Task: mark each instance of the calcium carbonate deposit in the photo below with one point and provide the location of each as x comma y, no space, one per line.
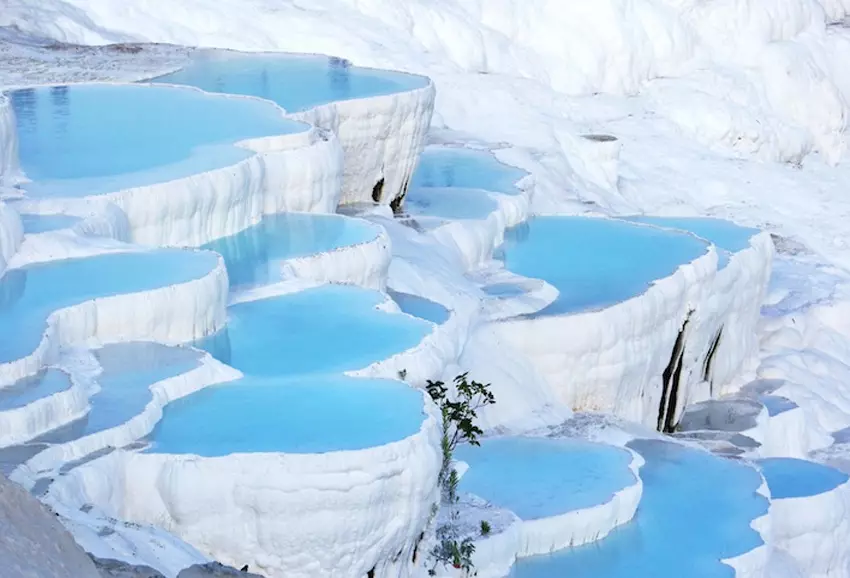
250,249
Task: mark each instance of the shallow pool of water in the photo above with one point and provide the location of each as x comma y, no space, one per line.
254,255
450,203
696,510
332,328
129,370
92,139
595,263
29,295
792,478
465,168
30,389
541,477
294,81
725,235
420,307
297,415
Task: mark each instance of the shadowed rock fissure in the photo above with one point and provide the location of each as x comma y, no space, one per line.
416,546
709,358
378,190
396,203
670,383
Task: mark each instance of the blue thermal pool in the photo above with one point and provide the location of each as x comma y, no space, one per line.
696,510
542,477
129,369
464,168
420,307
332,328
595,263
27,390
29,295
254,255
93,139
791,478
725,235
450,203
295,82
43,223
312,414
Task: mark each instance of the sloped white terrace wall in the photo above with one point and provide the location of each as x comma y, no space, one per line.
381,137
612,360
346,513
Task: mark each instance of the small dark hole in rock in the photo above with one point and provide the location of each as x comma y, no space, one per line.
377,190
599,137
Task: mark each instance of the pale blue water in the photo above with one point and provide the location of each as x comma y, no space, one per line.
30,389
541,477
254,255
595,263
727,236
295,82
332,328
92,139
696,510
776,404
43,223
420,307
313,414
29,295
791,478
465,168
129,369
449,203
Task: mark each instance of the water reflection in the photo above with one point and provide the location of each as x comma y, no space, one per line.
338,74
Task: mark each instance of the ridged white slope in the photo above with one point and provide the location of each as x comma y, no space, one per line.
477,239
815,530
11,234
381,136
364,264
10,170
732,304
172,314
293,172
612,360
42,415
209,372
337,514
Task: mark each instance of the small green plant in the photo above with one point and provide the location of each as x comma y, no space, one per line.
458,425
485,528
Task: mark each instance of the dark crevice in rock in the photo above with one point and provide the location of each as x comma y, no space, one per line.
709,358
670,383
397,203
371,573
416,546
378,190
